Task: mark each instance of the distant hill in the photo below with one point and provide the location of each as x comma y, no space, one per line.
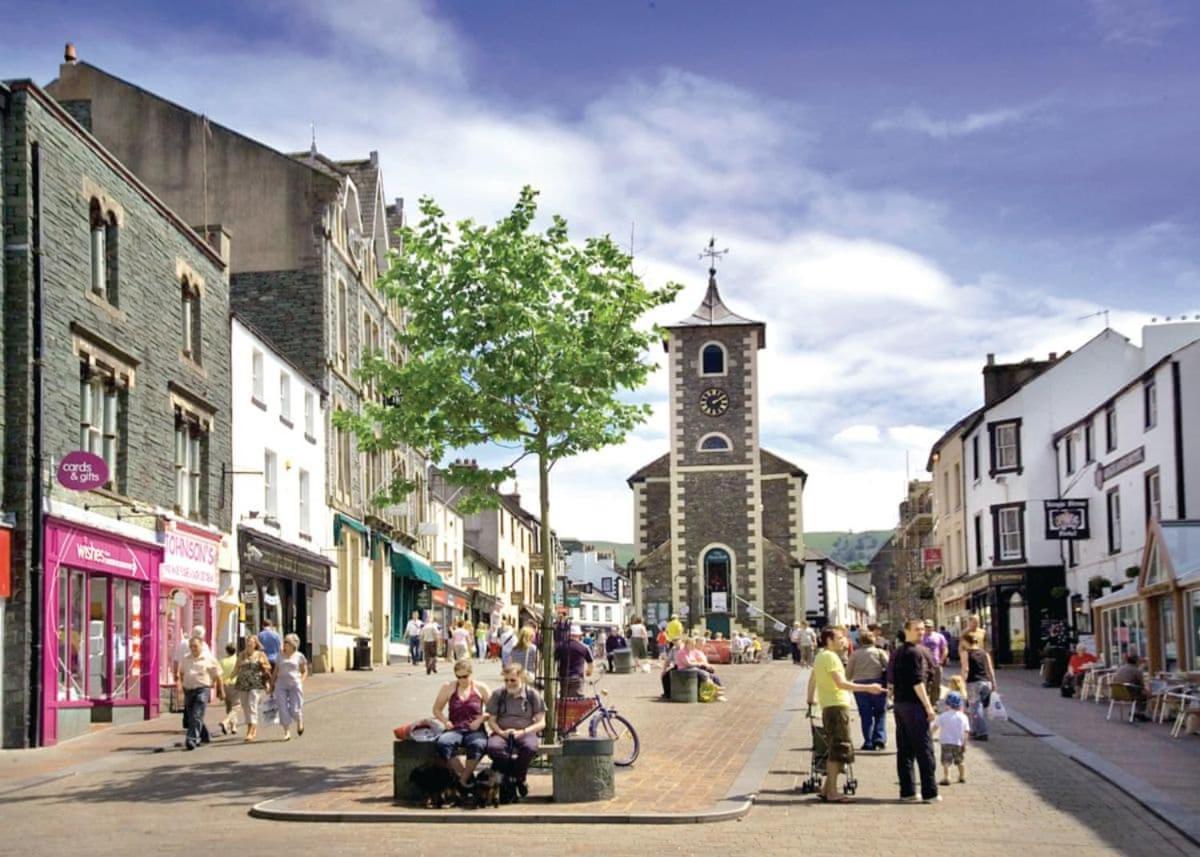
847,548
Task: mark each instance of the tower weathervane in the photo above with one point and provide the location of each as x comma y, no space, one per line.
713,254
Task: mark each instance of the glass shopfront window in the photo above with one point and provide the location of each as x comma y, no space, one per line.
1166,628
98,637
1125,633
1193,647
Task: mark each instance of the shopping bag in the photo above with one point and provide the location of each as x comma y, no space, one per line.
996,710
270,711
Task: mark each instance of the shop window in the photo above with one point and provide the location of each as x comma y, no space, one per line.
101,418
98,637
189,303
103,252
191,455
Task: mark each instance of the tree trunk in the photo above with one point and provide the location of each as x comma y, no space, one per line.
548,668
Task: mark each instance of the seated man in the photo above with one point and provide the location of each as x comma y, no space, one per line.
516,716
1130,674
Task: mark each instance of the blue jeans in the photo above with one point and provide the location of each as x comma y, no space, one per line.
872,711
979,693
195,703
414,649
451,739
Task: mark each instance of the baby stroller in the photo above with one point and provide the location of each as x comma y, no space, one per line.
820,755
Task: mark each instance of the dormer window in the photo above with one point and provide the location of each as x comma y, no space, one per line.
712,359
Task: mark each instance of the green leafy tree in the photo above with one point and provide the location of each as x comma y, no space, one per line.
518,338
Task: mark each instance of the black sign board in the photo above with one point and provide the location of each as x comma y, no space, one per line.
1067,520
275,558
424,599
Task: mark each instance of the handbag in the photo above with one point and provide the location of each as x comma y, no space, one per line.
996,710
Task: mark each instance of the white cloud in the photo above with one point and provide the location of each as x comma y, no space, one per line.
1140,23
873,348
917,120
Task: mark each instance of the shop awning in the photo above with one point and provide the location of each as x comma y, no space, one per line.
340,522
405,563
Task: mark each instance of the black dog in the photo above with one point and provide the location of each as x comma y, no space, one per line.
437,785
486,789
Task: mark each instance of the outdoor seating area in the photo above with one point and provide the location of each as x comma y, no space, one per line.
1164,697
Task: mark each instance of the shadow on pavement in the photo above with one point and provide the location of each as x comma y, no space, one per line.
241,782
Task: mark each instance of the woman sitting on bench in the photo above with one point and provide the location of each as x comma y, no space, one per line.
464,727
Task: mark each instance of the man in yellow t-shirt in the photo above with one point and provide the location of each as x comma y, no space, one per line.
829,685
674,630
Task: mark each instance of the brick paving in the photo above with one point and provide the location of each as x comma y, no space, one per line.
1022,798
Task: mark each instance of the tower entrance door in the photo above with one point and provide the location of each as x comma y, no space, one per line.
717,595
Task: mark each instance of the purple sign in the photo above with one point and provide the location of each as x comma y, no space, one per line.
82,471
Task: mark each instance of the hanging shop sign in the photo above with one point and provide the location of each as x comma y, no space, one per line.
273,557
1133,458
931,557
1067,519
425,599
82,471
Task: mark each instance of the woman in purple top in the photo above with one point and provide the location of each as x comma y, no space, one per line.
466,699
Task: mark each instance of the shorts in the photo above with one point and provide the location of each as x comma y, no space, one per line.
836,721
952,755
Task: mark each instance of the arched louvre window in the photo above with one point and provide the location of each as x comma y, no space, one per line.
714,442
712,361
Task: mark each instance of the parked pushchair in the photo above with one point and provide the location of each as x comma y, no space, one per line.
820,755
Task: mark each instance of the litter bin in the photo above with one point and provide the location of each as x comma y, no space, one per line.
1054,666
362,653
622,661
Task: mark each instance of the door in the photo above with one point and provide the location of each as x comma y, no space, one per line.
718,623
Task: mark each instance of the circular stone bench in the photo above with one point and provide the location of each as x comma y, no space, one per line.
685,685
582,770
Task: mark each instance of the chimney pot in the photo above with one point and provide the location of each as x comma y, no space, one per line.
1053,356
991,360
69,54
374,158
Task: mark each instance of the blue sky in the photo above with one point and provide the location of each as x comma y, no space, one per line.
904,187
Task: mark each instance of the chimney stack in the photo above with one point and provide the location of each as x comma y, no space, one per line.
374,158
69,55
991,360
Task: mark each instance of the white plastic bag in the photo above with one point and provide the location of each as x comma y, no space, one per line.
269,713
996,709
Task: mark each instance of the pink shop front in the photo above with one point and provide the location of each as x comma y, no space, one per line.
99,658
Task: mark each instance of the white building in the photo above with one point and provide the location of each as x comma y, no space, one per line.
597,610
282,524
1127,457
1014,570
826,590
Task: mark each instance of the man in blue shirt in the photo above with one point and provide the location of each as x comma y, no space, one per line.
270,640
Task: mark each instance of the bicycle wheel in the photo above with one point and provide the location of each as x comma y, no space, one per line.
626,744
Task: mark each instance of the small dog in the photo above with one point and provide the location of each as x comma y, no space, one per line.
486,789
437,786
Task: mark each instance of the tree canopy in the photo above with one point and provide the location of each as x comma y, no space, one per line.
511,336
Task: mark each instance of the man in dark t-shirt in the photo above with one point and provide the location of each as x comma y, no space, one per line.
914,713
574,662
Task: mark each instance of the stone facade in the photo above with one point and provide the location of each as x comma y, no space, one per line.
716,490
137,336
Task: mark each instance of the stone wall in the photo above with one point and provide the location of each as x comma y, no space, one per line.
144,328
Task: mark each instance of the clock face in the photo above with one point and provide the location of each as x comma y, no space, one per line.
714,402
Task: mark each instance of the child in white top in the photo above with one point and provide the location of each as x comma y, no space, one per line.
952,728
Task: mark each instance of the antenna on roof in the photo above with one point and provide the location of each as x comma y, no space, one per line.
1096,314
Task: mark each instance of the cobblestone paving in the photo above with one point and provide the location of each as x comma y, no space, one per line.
1021,798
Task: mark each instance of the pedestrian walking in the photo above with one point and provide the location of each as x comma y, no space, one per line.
481,639
291,668
459,639
639,639
914,714
868,665
616,640
795,636
829,686
508,639
270,640
466,699
981,682
430,635
252,682
412,631
952,729
808,643
939,649
228,675
198,673
525,653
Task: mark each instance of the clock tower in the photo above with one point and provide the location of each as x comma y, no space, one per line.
718,540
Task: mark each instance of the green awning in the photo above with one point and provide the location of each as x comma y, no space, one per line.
405,563
340,521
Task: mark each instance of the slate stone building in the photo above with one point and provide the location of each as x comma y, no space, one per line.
718,521
128,307
310,236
